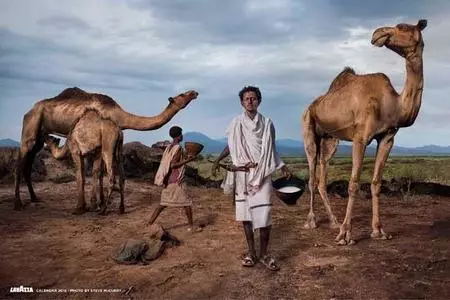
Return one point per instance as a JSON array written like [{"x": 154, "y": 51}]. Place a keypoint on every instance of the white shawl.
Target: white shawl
[
  {"x": 228, "y": 183},
  {"x": 164, "y": 165},
  {"x": 254, "y": 141}
]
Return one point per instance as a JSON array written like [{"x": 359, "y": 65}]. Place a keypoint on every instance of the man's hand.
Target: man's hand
[
  {"x": 286, "y": 172},
  {"x": 215, "y": 168},
  {"x": 244, "y": 168},
  {"x": 250, "y": 165}
]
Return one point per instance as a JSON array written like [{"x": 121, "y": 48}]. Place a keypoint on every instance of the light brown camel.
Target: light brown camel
[
  {"x": 57, "y": 115},
  {"x": 102, "y": 138},
  {"x": 361, "y": 108}
]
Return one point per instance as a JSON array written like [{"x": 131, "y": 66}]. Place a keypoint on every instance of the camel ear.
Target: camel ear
[
  {"x": 422, "y": 24},
  {"x": 170, "y": 99}
]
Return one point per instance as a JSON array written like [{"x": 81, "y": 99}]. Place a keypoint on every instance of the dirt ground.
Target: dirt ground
[{"x": 47, "y": 247}]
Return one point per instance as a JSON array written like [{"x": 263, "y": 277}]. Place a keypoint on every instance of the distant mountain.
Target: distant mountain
[
  {"x": 296, "y": 147},
  {"x": 293, "y": 147},
  {"x": 211, "y": 146},
  {"x": 289, "y": 143},
  {"x": 9, "y": 143}
]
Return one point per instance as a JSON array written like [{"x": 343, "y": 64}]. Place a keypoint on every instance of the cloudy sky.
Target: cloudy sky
[{"x": 141, "y": 52}]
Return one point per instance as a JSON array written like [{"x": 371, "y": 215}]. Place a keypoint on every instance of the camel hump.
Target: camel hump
[
  {"x": 73, "y": 92},
  {"x": 342, "y": 78},
  {"x": 78, "y": 95},
  {"x": 105, "y": 100}
]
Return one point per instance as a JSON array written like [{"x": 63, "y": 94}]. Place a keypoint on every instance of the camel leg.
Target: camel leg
[
  {"x": 29, "y": 167},
  {"x": 344, "y": 236},
  {"x": 328, "y": 147},
  {"x": 23, "y": 167},
  {"x": 384, "y": 148},
  {"x": 121, "y": 180},
  {"x": 310, "y": 140},
  {"x": 101, "y": 194},
  {"x": 18, "y": 173},
  {"x": 79, "y": 166},
  {"x": 97, "y": 184},
  {"x": 30, "y": 145},
  {"x": 108, "y": 159}
]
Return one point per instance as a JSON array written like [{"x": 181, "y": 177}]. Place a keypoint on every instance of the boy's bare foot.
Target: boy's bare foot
[{"x": 196, "y": 229}]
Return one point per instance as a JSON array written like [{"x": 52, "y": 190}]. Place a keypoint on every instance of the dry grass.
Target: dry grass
[{"x": 415, "y": 168}]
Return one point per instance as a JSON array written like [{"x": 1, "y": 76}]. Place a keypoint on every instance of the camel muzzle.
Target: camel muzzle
[{"x": 381, "y": 36}]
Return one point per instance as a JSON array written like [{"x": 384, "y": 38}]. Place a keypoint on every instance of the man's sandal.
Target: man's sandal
[
  {"x": 270, "y": 263},
  {"x": 248, "y": 260}
]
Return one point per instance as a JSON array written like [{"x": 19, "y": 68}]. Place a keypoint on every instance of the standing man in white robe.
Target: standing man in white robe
[{"x": 251, "y": 144}]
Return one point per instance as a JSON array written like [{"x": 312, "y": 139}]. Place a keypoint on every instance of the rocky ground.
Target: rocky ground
[{"x": 47, "y": 247}]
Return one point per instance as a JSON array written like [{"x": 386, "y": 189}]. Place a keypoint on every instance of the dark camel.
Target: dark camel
[
  {"x": 57, "y": 116},
  {"x": 362, "y": 108}
]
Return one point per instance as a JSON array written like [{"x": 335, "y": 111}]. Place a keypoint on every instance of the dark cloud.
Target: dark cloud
[
  {"x": 291, "y": 50},
  {"x": 381, "y": 9},
  {"x": 65, "y": 23},
  {"x": 230, "y": 22}
]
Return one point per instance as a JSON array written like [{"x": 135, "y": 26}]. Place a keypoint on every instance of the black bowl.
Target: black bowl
[{"x": 289, "y": 198}]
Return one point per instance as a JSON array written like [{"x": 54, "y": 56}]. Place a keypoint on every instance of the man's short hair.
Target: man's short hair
[
  {"x": 250, "y": 89},
  {"x": 175, "y": 131}
]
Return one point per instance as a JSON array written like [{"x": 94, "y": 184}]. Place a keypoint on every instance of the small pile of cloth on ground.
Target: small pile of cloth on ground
[{"x": 134, "y": 251}]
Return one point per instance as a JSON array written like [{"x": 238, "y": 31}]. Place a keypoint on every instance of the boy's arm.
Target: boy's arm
[{"x": 177, "y": 161}]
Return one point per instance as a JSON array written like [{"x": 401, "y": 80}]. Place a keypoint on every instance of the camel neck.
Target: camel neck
[
  {"x": 411, "y": 96},
  {"x": 126, "y": 120}
]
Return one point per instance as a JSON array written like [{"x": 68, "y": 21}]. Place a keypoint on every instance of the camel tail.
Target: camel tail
[
  {"x": 310, "y": 139},
  {"x": 119, "y": 148}
]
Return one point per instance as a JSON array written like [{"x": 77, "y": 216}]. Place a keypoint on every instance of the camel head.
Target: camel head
[
  {"x": 182, "y": 100},
  {"x": 403, "y": 39},
  {"x": 51, "y": 140}
]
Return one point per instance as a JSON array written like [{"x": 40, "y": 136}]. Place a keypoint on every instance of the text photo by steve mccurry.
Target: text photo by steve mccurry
[{"x": 25, "y": 289}]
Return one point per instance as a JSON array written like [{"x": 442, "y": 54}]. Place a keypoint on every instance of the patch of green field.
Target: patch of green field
[{"x": 418, "y": 168}]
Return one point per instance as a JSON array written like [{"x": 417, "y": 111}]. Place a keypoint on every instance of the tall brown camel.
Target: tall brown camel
[
  {"x": 57, "y": 115},
  {"x": 361, "y": 108},
  {"x": 92, "y": 135}
]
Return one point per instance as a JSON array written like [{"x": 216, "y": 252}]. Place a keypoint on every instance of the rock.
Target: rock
[
  {"x": 8, "y": 159},
  {"x": 339, "y": 187},
  {"x": 140, "y": 160},
  {"x": 161, "y": 145}
]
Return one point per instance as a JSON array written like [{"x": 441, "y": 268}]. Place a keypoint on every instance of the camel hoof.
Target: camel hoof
[
  {"x": 341, "y": 242},
  {"x": 18, "y": 206},
  {"x": 79, "y": 211},
  {"x": 335, "y": 225},
  {"x": 310, "y": 225},
  {"x": 380, "y": 236},
  {"x": 344, "y": 242},
  {"x": 93, "y": 208},
  {"x": 311, "y": 222},
  {"x": 121, "y": 210},
  {"x": 102, "y": 211}
]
